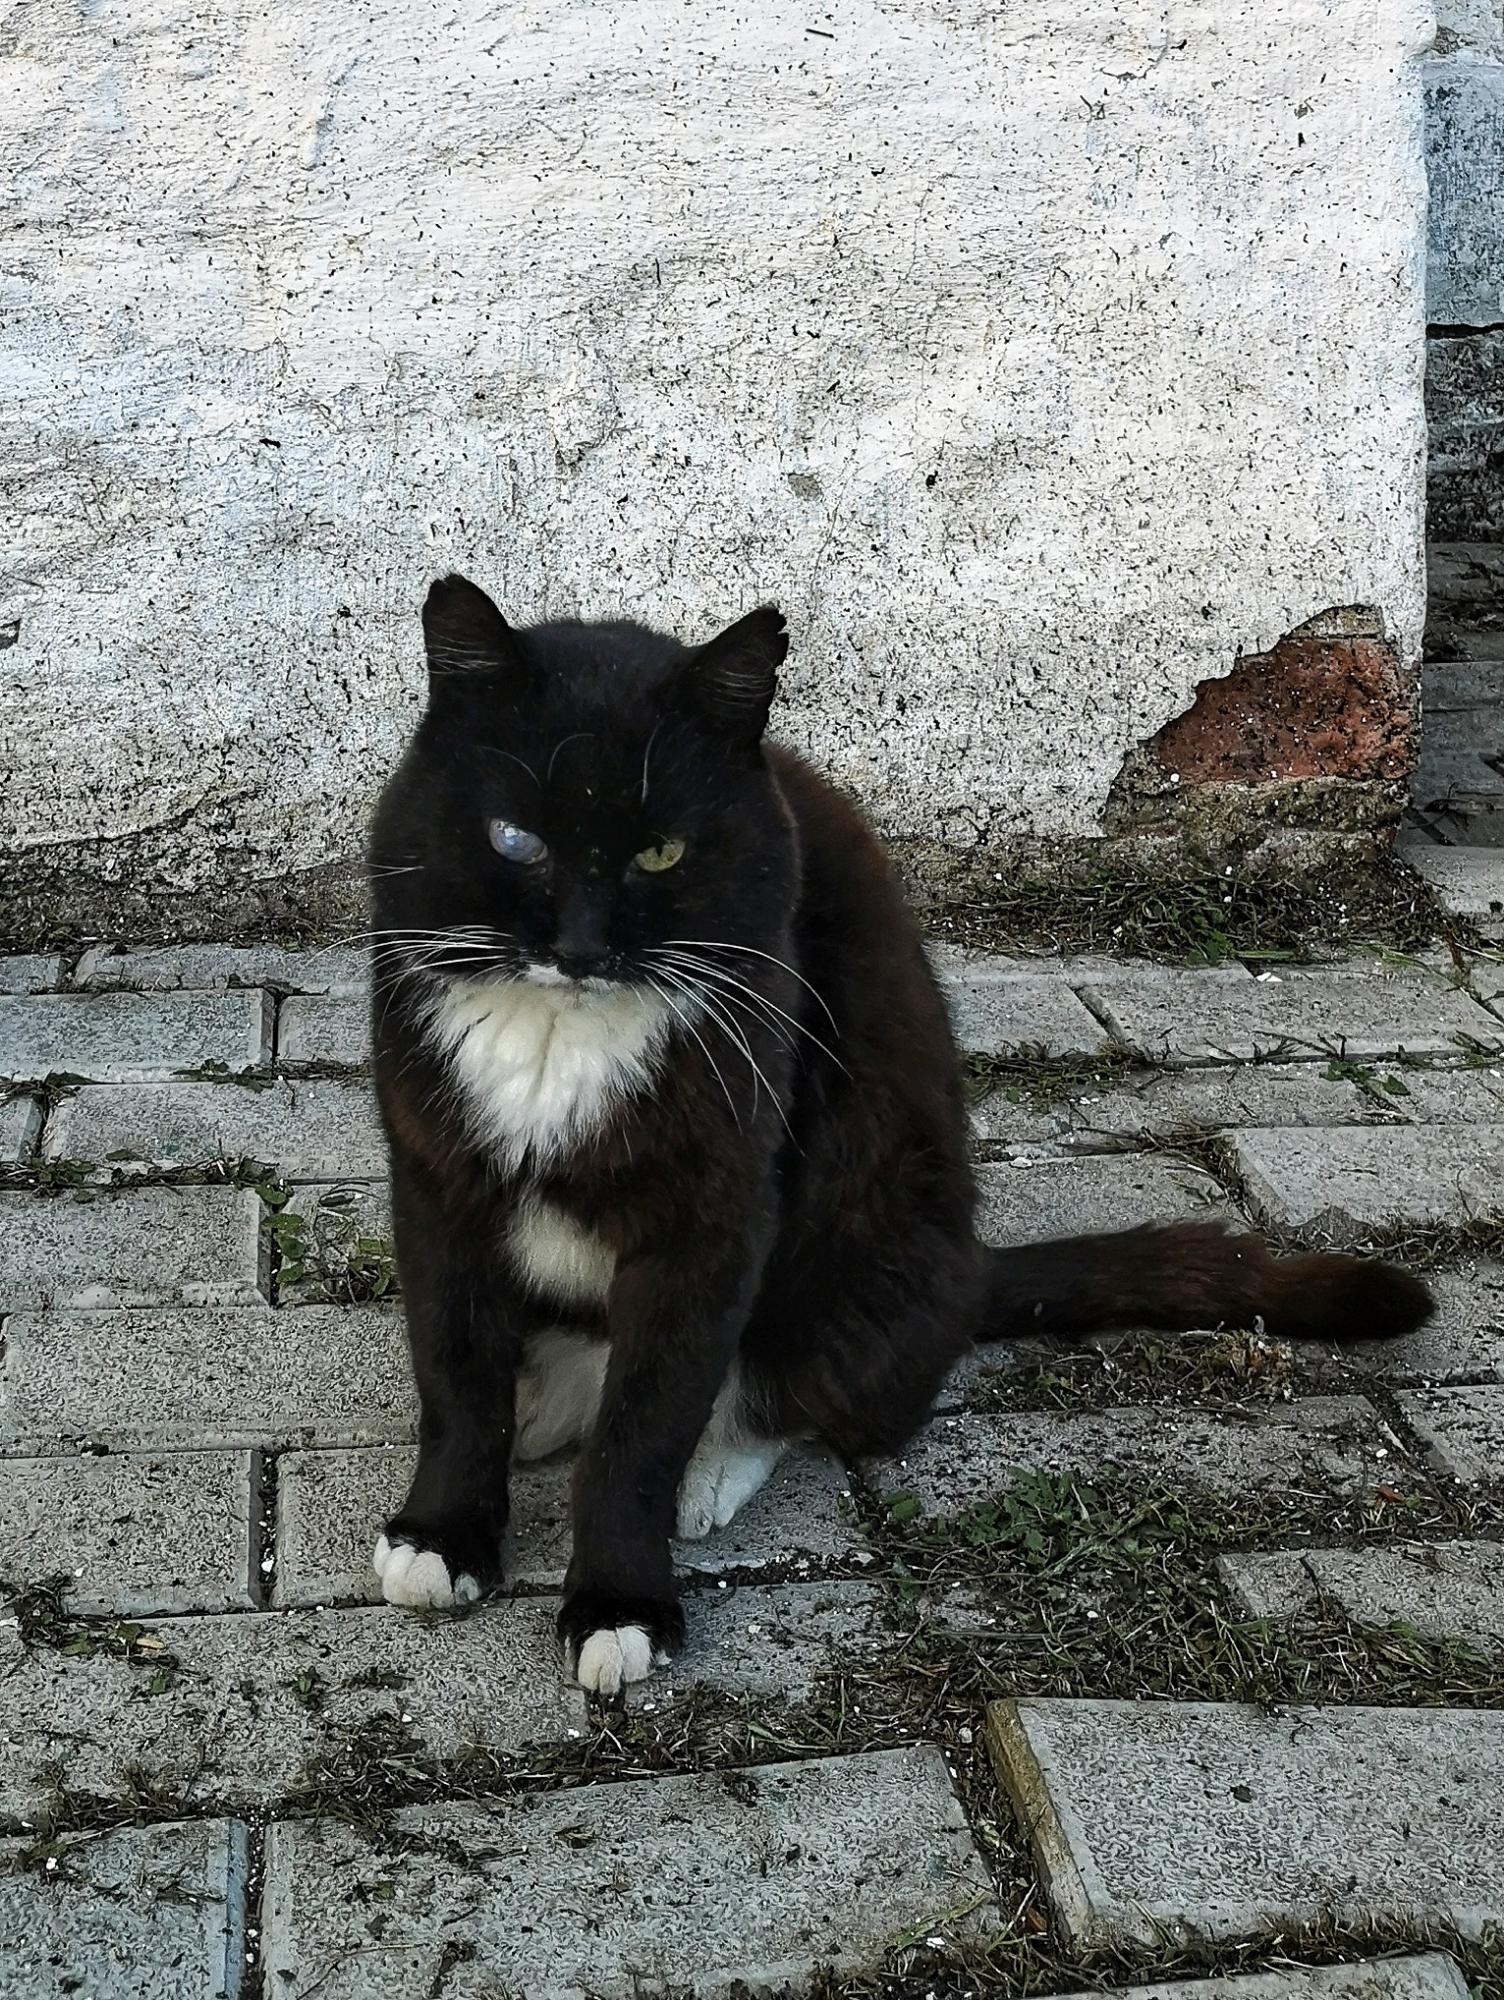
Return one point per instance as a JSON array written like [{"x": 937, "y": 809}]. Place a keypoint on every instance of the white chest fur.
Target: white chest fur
[{"x": 539, "y": 1067}]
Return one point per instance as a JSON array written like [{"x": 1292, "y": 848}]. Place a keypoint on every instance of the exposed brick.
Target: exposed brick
[{"x": 1313, "y": 707}]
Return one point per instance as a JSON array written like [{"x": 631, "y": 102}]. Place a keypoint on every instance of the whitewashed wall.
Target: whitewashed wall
[{"x": 1037, "y": 358}]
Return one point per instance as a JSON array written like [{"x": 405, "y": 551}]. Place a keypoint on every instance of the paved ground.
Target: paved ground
[{"x": 1173, "y": 1658}]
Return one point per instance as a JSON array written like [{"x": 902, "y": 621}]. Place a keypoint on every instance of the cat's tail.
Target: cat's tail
[{"x": 1181, "y": 1276}]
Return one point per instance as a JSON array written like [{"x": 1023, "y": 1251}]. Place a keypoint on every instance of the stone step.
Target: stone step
[
  {"x": 1452, "y": 1589},
  {"x": 331, "y": 1506},
  {"x": 31, "y": 972},
  {"x": 211, "y": 968},
  {"x": 144, "y": 1913},
  {"x": 1426, "y": 1976},
  {"x": 1305, "y": 1014},
  {"x": 1218, "y": 1820},
  {"x": 336, "y": 1029},
  {"x": 694, "y": 1883},
  {"x": 133, "y": 1534},
  {"x": 1343, "y": 1183},
  {"x": 1023, "y": 1200},
  {"x": 131, "y": 1038},
  {"x": 148, "y": 1381},
  {"x": 1468, "y": 881},
  {"x": 1463, "y": 1428},
  {"x": 1318, "y": 1445},
  {"x": 995, "y": 1013},
  {"x": 314, "y": 1130},
  {"x": 219, "y": 1711},
  {"x": 145, "y": 1246}
]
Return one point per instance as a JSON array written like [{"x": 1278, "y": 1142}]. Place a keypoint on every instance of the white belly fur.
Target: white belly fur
[
  {"x": 558, "y": 1258},
  {"x": 540, "y": 1067}
]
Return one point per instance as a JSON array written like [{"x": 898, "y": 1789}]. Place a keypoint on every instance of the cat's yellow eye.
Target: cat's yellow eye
[{"x": 654, "y": 860}]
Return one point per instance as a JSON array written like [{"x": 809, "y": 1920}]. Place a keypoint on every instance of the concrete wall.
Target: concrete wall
[
  {"x": 1041, "y": 361},
  {"x": 1465, "y": 272}
]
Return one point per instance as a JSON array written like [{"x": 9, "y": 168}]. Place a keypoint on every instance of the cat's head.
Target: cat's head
[{"x": 582, "y": 803}]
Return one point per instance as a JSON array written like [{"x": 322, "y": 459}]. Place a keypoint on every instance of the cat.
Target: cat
[{"x": 676, "y": 1122}]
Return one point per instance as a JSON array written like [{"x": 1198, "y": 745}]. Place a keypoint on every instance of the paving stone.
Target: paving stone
[
  {"x": 1427, "y": 1976},
  {"x": 131, "y": 1038},
  {"x": 1463, "y": 1429},
  {"x": 145, "y": 1913},
  {"x": 315, "y": 1129},
  {"x": 135, "y": 1535},
  {"x": 1155, "y": 1103},
  {"x": 336, "y": 1029},
  {"x": 145, "y": 1246},
  {"x": 1221, "y": 1820},
  {"x": 342, "y": 1252},
  {"x": 1469, "y": 881},
  {"x": 1316, "y": 1445},
  {"x": 149, "y": 1381},
  {"x": 1465, "y": 1339},
  {"x": 36, "y": 972},
  {"x": 698, "y": 1883},
  {"x": 773, "y": 1641},
  {"x": 992, "y": 1013},
  {"x": 960, "y": 961},
  {"x": 1364, "y": 1178},
  {"x": 1217, "y": 1016},
  {"x": 331, "y": 1504},
  {"x": 1020, "y": 1201},
  {"x": 1454, "y": 1589},
  {"x": 209, "y": 968},
  {"x": 253, "y": 1696},
  {"x": 20, "y": 1126}
]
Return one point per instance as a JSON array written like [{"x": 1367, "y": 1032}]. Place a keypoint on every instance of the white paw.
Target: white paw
[
  {"x": 719, "y": 1481},
  {"x": 608, "y": 1660},
  {"x": 420, "y": 1577}
]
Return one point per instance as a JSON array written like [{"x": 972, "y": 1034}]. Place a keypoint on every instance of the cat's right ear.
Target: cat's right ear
[{"x": 465, "y": 636}]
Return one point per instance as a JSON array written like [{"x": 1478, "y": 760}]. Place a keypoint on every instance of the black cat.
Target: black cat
[{"x": 678, "y": 1143}]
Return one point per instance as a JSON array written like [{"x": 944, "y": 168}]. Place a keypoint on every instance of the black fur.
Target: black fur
[{"x": 793, "y": 1190}]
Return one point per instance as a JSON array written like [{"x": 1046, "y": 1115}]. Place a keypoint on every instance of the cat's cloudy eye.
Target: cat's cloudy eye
[
  {"x": 515, "y": 843},
  {"x": 666, "y": 854}
]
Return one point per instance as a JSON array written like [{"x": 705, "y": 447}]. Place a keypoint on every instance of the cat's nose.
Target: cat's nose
[{"x": 580, "y": 939}]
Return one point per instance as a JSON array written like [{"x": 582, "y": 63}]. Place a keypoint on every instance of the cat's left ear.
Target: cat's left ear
[
  {"x": 734, "y": 678},
  {"x": 465, "y": 634}
]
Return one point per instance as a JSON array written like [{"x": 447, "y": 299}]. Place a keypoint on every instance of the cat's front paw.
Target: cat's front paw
[
  {"x": 610, "y": 1642},
  {"x": 429, "y": 1572}
]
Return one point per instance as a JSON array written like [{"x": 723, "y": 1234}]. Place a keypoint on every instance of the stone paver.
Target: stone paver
[
  {"x": 1317, "y": 1445},
  {"x": 1463, "y": 1429},
  {"x": 1427, "y": 1976},
  {"x": 330, "y": 1506},
  {"x": 1226, "y": 1820},
  {"x": 316, "y": 1129},
  {"x": 1465, "y": 1338},
  {"x": 789, "y": 1866},
  {"x": 1373, "y": 1177},
  {"x": 772, "y": 1641},
  {"x": 145, "y": 1246},
  {"x": 131, "y": 1038},
  {"x": 145, "y": 1913},
  {"x": 1455, "y": 1589},
  {"x": 148, "y": 1381},
  {"x": 992, "y": 1014},
  {"x": 1155, "y": 1104},
  {"x": 332, "y": 1030},
  {"x": 133, "y": 1534},
  {"x": 20, "y": 1126},
  {"x": 32, "y": 972},
  {"x": 343, "y": 1248},
  {"x": 1199, "y": 1017},
  {"x": 1469, "y": 881},
  {"x": 230, "y": 1709},
  {"x": 1019, "y": 1202},
  {"x": 209, "y": 968}
]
